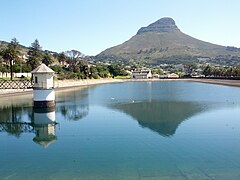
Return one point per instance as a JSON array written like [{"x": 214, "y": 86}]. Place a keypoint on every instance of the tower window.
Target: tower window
[{"x": 36, "y": 79}]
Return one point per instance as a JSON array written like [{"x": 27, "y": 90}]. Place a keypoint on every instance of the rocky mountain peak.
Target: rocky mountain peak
[{"x": 165, "y": 24}]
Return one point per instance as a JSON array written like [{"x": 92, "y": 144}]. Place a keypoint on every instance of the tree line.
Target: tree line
[
  {"x": 67, "y": 65},
  {"x": 221, "y": 72}
]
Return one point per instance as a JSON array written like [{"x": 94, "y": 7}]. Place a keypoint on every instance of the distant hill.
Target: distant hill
[
  {"x": 24, "y": 49},
  {"x": 3, "y": 44},
  {"x": 162, "y": 41}
]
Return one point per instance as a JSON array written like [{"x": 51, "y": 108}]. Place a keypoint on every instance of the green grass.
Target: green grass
[
  {"x": 15, "y": 79},
  {"x": 122, "y": 77}
]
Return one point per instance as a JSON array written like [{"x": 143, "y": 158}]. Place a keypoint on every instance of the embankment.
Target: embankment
[{"x": 68, "y": 84}]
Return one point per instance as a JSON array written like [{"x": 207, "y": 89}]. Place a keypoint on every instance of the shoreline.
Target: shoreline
[
  {"x": 71, "y": 84},
  {"x": 60, "y": 85},
  {"x": 222, "y": 82}
]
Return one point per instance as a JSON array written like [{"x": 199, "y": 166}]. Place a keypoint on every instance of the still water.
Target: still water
[{"x": 133, "y": 130}]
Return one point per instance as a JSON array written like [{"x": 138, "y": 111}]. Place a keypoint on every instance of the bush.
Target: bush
[
  {"x": 104, "y": 74},
  {"x": 58, "y": 69},
  {"x": 5, "y": 68},
  {"x": 26, "y": 68},
  {"x": 73, "y": 76},
  {"x": 95, "y": 76},
  {"x": 81, "y": 75},
  {"x": 16, "y": 68},
  {"x": 61, "y": 76}
]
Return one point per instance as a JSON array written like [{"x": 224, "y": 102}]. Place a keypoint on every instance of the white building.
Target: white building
[
  {"x": 43, "y": 89},
  {"x": 142, "y": 74},
  {"x": 44, "y": 126}
]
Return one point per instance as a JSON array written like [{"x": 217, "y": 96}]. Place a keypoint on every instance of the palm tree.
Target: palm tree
[{"x": 11, "y": 54}]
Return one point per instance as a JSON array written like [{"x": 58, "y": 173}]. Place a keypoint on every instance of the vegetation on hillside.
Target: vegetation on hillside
[
  {"x": 67, "y": 65},
  {"x": 73, "y": 64},
  {"x": 163, "y": 42}
]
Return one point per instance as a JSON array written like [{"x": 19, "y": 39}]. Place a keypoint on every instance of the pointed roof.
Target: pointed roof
[
  {"x": 45, "y": 142},
  {"x": 42, "y": 69}
]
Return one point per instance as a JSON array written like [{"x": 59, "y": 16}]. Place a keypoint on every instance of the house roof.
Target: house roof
[
  {"x": 142, "y": 72},
  {"x": 42, "y": 69}
]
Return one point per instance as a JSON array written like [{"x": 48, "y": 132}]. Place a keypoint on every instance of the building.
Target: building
[
  {"x": 43, "y": 88},
  {"x": 142, "y": 74},
  {"x": 172, "y": 76},
  {"x": 163, "y": 76},
  {"x": 44, "y": 126}
]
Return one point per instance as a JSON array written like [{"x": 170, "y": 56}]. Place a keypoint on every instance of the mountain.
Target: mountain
[{"x": 163, "y": 41}]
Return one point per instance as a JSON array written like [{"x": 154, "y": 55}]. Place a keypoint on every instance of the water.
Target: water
[{"x": 135, "y": 130}]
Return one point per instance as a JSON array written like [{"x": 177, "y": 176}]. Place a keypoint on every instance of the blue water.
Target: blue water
[{"x": 134, "y": 130}]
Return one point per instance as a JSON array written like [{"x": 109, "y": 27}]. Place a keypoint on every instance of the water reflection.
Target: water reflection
[
  {"x": 19, "y": 117},
  {"x": 16, "y": 120},
  {"x": 44, "y": 126},
  {"x": 73, "y": 105},
  {"x": 74, "y": 112},
  {"x": 163, "y": 117},
  {"x": 108, "y": 144}
]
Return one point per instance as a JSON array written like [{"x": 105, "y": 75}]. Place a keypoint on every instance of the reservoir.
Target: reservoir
[{"x": 131, "y": 130}]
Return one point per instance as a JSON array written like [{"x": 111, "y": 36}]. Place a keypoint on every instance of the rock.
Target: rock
[{"x": 165, "y": 24}]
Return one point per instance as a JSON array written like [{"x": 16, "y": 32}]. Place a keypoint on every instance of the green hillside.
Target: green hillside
[
  {"x": 163, "y": 41},
  {"x": 3, "y": 44}
]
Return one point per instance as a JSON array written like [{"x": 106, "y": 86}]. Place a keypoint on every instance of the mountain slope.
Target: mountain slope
[
  {"x": 4, "y": 44},
  {"x": 163, "y": 40}
]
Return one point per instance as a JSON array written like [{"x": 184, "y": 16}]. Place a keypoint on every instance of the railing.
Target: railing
[
  {"x": 25, "y": 127},
  {"x": 18, "y": 84},
  {"x": 21, "y": 126}
]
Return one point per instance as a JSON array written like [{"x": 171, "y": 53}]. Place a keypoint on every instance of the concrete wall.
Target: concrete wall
[{"x": 8, "y": 75}]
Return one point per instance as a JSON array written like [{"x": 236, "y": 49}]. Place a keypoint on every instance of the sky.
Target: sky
[{"x": 91, "y": 26}]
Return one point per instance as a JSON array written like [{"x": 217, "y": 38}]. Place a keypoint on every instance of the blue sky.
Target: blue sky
[{"x": 91, "y": 26}]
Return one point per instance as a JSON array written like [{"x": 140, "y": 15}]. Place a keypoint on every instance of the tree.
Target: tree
[
  {"x": 73, "y": 59},
  {"x": 57, "y": 68},
  {"x": 47, "y": 59},
  {"x": 207, "y": 71},
  {"x": 116, "y": 70},
  {"x": 93, "y": 72},
  {"x": 157, "y": 71},
  {"x": 1, "y": 62},
  {"x": 4, "y": 68},
  {"x": 73, "y": 56},
  {"x": 84, "y": 68},
  {"x": 216, "y": 72},
  {"x": 62, "y": 58},
  {"x": 237, "y": 69},
  {"x": 190, "y": 68},
  {"x": 103, "y": 71},
  {"x": 11, "y": 54},
  {"x": 34, "y": 54},
  {"x": 229, "y": 72}
]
